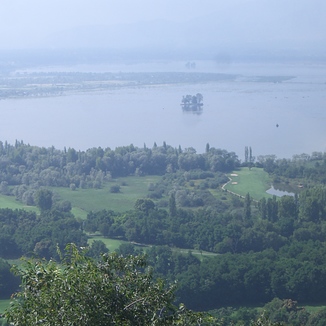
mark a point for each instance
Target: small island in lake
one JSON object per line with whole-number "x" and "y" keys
{"x": 193, "y": 103}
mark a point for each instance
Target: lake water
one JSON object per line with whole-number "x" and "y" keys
{"x": 235, "y": 114}
{"x": 278, "y": 192}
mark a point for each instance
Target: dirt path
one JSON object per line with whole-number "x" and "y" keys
{"x": 229, "y": 191}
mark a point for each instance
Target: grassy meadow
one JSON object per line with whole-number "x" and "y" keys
{"x": 113, "y": 244}
{"x": 255, "y": 181}
{"x": 12, "y": 203}
{"x": 86, "y": 200}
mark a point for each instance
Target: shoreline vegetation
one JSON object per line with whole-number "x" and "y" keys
{"x": 47, "y": 84}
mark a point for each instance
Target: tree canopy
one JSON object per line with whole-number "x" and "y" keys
{"x": 80, "y": 291}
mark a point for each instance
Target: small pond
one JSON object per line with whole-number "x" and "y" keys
{"x": 278, "y": 193}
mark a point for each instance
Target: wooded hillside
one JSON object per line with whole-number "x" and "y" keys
{"x": 259, "y": 250}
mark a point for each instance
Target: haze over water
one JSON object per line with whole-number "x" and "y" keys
{"x": 236, "y": 114}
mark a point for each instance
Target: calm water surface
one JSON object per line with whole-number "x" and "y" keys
{"x": 278, "y": 192}
{"x": 235, "y": 115}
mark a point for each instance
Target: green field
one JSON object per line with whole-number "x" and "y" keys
{"x": 113, "y": 244}
{"x": 255, "y": 181}
{"x": 86, "y": 200}
{"x": 12, "y": 203}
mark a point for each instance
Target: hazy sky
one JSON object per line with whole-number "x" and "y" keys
{"x": 32, "y": 23}
{"x": 38, "y": 18}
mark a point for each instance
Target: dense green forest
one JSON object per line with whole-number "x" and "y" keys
{"x": 267, "y": 252}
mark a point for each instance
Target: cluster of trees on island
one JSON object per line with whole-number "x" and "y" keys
{"x": 258, "y": 251}
{"x": 192, "y": 103}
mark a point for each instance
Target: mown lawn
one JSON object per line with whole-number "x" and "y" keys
{"x": 113, "y": 244}
{"x": 12, "y": 203}
{"x": 86, "y": 200}
{"x": 255, "y": 181}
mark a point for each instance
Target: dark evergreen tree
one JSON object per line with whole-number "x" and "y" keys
{"x": 246, "y": 155}
{"x": 43, "y": 199}
{"x": 247, "y": 207}
{"x": 172, "y": 205}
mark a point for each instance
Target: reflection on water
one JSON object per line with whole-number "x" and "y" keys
{"x": 278, "y": 193}
{"x": 197, "y": 110}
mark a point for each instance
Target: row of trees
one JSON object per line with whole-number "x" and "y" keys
{"x": 297, "y": 271}
{"x": 280, "y": 312}
{"x": 219, "y": 226}
{"x": 311, "y": 169}
{"x": 28, "y": 167}
{"x": 26, "y": 233}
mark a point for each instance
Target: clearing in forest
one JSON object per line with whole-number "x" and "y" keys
{"x": 85, "y": 200}
{"x": 255, "y": 181}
